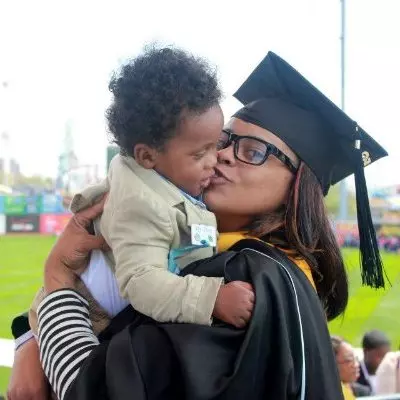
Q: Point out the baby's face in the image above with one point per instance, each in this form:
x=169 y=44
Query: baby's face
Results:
x=189 y=158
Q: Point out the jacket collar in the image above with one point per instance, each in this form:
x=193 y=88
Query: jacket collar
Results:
x=169 y=192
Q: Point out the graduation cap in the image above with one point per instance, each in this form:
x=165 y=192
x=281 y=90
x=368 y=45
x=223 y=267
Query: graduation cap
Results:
x=279 y=99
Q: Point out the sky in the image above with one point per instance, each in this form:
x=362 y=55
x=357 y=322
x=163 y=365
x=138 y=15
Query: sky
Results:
x=57 y=57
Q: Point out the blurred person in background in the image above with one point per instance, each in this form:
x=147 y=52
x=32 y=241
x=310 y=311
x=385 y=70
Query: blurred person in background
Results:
x=349 y=369
x=375 y=345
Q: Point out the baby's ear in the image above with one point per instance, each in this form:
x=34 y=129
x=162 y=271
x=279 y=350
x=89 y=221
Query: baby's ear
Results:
x=145 y=155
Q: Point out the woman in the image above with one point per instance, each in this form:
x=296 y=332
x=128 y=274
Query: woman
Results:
x=278 y=157
x=348 y=366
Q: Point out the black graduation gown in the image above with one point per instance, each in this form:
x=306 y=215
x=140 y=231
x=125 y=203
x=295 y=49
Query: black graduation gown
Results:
x=147 y=360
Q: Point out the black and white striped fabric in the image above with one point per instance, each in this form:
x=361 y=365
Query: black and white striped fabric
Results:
x=65 y=336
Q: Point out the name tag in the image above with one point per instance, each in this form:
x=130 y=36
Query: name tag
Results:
x=204 y=235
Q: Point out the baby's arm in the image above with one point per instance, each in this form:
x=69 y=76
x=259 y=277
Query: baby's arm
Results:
x=139 y=231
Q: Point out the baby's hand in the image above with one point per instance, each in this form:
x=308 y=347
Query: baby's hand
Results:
x=235 y=303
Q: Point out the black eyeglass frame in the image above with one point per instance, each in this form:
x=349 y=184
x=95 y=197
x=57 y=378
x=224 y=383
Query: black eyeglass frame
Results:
x=271 y=150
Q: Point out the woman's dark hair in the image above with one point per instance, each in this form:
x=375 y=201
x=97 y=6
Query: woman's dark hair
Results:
x=309 y=233
x=154 y=91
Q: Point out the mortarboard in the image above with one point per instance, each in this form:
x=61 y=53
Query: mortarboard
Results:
x=281 y=100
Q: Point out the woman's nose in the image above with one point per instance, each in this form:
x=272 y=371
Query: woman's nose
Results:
x=226 y=155
x=356 y=366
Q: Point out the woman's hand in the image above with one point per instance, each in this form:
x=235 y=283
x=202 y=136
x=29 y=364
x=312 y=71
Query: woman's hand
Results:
x=69 y=256
x=28 y=381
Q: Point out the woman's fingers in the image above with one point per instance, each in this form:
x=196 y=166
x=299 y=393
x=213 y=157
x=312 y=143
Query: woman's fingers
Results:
x=85 y=217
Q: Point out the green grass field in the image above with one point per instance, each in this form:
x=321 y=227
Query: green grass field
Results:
x=21 y=265
x=369 y=308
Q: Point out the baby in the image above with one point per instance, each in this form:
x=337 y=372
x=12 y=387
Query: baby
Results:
x=166 y=119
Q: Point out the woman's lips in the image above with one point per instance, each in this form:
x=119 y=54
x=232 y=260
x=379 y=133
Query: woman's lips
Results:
x=219 y=178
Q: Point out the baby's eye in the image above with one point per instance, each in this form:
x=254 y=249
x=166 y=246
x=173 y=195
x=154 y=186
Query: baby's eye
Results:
x=199 y=155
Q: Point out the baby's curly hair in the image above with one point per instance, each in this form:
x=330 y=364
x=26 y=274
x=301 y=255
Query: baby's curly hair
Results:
x=152 y=92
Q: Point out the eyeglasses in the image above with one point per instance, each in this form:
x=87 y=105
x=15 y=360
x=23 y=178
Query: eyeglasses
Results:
x=348 y=360
x=252 y=150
